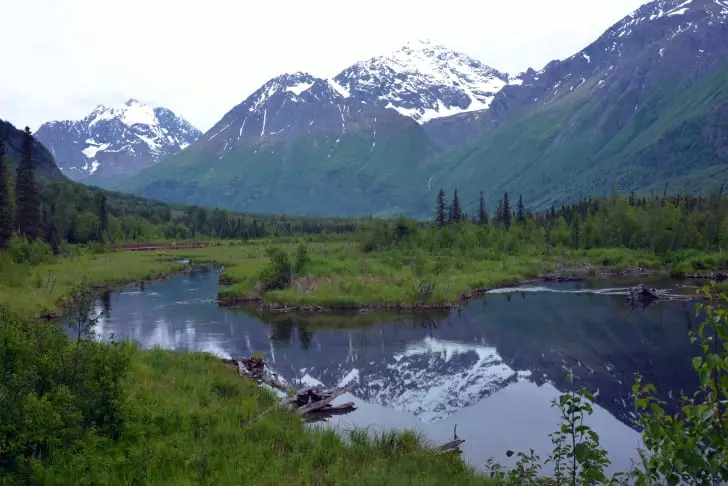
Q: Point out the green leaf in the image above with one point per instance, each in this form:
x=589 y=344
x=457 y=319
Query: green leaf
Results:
x=581 y=451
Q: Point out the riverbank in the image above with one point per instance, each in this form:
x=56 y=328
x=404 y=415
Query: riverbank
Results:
x=339 y=276
x=48 y=288
x=167 y=418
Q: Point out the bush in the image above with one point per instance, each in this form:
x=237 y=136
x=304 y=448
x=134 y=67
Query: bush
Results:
x=302 y=258
x=277 y=274
x=54 y=392
x=23 y=251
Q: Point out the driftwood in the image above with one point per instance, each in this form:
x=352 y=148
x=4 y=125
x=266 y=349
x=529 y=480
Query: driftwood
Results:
x=454 y=445
x=642 y=296
x=716 y=276
x=313 y=404
x=562 y=278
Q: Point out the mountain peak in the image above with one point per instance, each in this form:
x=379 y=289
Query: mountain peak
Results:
x=423 y=80
x=118 y=140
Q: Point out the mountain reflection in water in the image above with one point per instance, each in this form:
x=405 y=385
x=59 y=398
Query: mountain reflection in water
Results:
x=492 y=367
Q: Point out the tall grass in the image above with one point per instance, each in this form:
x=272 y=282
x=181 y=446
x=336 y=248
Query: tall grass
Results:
x=191 y=420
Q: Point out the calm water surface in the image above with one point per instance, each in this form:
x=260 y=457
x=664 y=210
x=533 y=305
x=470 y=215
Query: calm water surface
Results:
x=491 y=368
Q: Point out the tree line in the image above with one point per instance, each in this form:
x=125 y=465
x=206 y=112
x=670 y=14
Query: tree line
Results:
x=59 y=212
x=659 y=223
x=453 y=213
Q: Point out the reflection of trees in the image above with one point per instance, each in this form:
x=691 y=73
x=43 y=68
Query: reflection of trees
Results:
x=304 y=337
x=105 y=299
x=196 y=271
x=429 y=322
x=282 y=331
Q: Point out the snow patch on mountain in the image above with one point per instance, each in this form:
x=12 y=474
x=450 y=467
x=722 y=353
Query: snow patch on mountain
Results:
x=120 y=139
x=299 y=88
x=423 y=81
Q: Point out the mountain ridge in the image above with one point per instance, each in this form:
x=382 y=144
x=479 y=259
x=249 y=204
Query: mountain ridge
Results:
x=551 y=135
x=115 y=141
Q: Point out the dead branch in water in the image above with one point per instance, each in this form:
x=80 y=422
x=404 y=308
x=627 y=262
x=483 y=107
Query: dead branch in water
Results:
x=313 y=404
x=454 y=444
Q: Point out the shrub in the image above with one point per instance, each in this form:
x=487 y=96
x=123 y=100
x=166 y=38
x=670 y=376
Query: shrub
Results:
x=277 y=274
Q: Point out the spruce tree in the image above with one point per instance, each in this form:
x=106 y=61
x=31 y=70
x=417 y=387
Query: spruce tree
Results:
x=506 y=211
x=456 y=213
x=521 y=213
x=482 y=214
x=102 y=212
x=27 y=195
x=7 y=199
x=440 y=209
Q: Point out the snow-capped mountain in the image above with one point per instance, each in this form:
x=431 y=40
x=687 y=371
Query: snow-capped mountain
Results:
x=663 y=42
x=116 y=141
x=423 y=81
x=388 y=129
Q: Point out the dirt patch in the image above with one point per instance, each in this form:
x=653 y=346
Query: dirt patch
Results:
x=306 y=285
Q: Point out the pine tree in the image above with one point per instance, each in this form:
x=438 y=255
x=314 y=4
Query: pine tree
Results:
x=456 y=213
x=7 y=199
x=506 y=211
x=27 y=195
x=440 y=209
x=102 y=212
x=482 y=214
x=521 y=213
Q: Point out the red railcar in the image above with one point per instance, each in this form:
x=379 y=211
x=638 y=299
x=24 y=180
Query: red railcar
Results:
x=160 y=246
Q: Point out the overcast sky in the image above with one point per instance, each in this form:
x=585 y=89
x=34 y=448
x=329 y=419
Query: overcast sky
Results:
x=61 y=58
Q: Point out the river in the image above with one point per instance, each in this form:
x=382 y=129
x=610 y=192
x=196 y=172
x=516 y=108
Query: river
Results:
x=492 y=368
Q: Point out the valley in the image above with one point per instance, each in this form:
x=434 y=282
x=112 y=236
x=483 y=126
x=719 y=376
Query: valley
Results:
x=507 y=277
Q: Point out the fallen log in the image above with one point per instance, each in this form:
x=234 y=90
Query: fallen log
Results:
x=642 y=296
x=562 y=278
x=313 y=404
x=716 y=276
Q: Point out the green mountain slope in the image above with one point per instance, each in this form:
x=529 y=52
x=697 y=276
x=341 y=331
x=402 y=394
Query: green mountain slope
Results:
x=351 y=174
x=590 y=144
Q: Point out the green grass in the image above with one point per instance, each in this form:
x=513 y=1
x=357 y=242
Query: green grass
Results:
x=341 y=276
x=44 y=289
x=191 y=420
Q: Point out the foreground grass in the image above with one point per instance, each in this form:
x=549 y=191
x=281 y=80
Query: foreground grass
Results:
x=191 y=420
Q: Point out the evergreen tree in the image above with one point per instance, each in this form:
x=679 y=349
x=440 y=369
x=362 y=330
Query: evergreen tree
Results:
x=482 y=214
x=456 y=213
x=440 y=209
x=576 y=232
x=7 y=200
x=102 y=212
x=27 y=194
x=506 y=211
x=521 y=213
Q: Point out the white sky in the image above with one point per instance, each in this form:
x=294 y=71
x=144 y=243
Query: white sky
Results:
x=199 y=59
